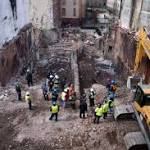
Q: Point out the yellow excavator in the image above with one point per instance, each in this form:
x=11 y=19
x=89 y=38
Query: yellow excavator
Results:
x=140 y=107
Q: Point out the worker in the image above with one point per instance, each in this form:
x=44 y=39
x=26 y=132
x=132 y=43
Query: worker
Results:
x=18 y=90
x=51 y=82
x=56 y=81
x=45 y=91
x=113 y=88
x=54 y=110
x=98 y=113
x=63 y=83
x=63 y=98
x=110 y=104
x=83 y=108
x=71 y=91
x=92 y=97
x=105 y=107
x=29 y=78
x=28 y=99
x=108 y=85
x=54 y=95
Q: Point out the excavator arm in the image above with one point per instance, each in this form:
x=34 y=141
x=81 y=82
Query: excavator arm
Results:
x=143 y=47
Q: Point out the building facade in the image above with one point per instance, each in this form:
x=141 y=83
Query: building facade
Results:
x=15 y=14
x=72 y=12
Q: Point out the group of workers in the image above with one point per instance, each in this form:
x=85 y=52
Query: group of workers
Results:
x=28 y=96
x=55 y=90
x=102 y=108
x=107 y=106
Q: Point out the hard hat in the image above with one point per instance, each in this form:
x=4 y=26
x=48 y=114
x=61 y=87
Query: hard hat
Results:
x=27 y=93
x=113 y=81
x=54 y=103
x=51 y=76
x=66 y=89
x=92 y=90
x=56 y=77
x=28 y=70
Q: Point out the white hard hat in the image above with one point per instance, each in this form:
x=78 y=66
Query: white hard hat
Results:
x=28 y=70
x=56 y=76
x=66 y=89
x=51 y=76
x=91 y=89
x=27 y=93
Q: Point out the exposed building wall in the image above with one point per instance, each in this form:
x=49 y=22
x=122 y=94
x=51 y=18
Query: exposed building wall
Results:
x=69 y=5
x=21 y=52
x=13 y=16
x=56 y=13
x=41 y=13
x=144 y=19
x=126 y=14
x=72 y=12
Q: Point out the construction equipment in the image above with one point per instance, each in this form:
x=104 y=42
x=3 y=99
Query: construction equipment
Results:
x=143 y=46
x=141 y=108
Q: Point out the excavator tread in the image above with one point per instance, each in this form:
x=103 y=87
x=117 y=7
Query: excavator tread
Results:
x=135 y=141
x=123 y=111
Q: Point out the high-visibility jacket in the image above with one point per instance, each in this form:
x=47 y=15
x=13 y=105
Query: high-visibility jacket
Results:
x=63 y=96
x=105 y=107
x=28 y=98
x=54 y=109
x=110 y=103
x=99 y=111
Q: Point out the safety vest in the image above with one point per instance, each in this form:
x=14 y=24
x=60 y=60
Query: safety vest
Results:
x=63 y=96
x=99 y=111
x=54 y=109
x=110 y=103
x=105 y=107
x=28 y=98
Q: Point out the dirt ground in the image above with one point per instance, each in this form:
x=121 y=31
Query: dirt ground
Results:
x=21 y=129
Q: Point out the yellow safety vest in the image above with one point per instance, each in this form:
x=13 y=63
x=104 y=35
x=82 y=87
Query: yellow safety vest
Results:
x=54 y=109
x=28 y=98
x=99 y=111
x=105 y=107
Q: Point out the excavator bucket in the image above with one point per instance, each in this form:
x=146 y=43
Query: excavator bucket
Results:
x=135 y=141
x=123 y=112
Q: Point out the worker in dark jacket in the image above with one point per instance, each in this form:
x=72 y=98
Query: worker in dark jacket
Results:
x=29 y=78
x=83 y=108
x=45 y=91
x=18 y=90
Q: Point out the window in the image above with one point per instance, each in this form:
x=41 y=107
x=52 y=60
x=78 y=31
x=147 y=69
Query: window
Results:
x=63 y=2
x=139 y=96
x=146 y=100
x=74 y=2
x=74 y=12
x=63 y=12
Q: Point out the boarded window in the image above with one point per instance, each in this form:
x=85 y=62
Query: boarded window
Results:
x=63 y=12
x=74 y=12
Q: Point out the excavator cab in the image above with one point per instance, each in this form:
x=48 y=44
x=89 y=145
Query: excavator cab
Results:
x=142 y=95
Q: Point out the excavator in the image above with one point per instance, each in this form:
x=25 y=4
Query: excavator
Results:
x=139 y=108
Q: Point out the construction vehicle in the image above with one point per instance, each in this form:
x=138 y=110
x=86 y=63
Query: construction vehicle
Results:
x=140 y=107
